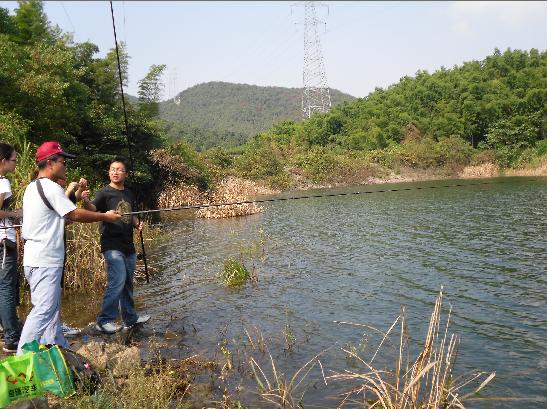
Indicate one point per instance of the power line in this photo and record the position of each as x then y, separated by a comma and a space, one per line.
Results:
68, 17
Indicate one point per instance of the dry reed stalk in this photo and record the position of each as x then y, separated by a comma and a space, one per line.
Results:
84, 267
426, 383
484, 170
229, 190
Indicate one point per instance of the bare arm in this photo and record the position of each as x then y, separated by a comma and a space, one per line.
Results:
8, 213
87, 216
82, 186
86, 202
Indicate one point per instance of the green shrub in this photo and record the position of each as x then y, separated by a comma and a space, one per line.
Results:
317, 163
234, 273
260, 163
420, 154
454, 153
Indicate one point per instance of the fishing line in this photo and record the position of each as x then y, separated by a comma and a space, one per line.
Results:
279, 199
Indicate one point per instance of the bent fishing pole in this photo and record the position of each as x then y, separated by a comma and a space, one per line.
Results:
279, 199
127, 135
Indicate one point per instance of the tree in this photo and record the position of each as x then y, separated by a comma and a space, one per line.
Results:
31, 23
150, 91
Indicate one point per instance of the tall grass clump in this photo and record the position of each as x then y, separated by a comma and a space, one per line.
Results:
234, 273
146, 387
427, 381
84, 266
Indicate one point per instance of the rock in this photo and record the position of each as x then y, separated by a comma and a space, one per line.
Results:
36, 403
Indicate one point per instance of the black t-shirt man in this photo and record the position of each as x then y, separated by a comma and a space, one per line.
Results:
118, 235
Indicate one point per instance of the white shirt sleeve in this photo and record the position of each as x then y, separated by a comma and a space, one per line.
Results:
56, 197
5, 187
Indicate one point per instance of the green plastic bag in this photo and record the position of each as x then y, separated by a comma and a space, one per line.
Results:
51, 369
17, 380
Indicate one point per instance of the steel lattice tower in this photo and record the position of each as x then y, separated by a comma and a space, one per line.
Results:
315, 93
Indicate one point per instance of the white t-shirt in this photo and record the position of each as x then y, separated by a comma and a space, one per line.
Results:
43, 228
5, 187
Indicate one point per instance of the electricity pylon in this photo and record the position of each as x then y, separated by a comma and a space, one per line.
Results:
173, 86
315, 92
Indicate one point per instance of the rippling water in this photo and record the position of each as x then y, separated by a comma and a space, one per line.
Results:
359, 258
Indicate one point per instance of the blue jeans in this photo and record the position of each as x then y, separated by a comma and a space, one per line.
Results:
118, 295
43, 323
9, 295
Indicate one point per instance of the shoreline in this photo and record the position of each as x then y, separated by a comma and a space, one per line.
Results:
409, 175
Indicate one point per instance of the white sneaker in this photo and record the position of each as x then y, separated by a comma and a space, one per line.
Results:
69, 331
108, 328
141, 319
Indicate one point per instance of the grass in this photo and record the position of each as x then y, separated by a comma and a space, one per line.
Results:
151, 387
427, 381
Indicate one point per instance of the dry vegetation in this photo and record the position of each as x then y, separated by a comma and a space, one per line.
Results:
484, 170
229, 190
539, 170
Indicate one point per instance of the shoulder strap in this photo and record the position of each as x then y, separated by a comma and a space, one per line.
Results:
42, 195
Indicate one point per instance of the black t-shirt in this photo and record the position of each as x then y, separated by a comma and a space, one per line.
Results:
118, 235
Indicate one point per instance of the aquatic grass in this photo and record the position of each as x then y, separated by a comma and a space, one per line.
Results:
234, 273
288, 333
426, 382
277, 388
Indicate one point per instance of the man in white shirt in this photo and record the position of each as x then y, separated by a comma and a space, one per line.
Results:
45, 208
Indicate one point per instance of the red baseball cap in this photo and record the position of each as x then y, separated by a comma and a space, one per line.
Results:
51, 148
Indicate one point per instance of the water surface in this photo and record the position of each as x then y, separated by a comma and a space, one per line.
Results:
358, 258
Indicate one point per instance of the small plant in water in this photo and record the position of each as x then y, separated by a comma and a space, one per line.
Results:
355, 351
234, 273
290, 338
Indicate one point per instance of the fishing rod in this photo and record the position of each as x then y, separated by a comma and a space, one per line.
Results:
279, 199
127, 136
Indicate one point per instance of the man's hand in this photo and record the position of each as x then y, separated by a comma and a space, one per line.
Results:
112, 216
72, 186
85, 195
83, 184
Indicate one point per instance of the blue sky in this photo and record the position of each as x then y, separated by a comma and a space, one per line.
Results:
365, 45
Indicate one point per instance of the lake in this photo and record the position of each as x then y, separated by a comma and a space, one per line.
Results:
359, 258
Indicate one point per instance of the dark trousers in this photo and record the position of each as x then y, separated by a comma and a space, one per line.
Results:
9, 295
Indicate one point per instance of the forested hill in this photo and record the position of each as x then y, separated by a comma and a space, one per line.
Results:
226, 114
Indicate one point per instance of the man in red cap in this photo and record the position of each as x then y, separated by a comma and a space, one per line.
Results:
45, 208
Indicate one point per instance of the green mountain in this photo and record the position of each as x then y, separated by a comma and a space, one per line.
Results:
225, 114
